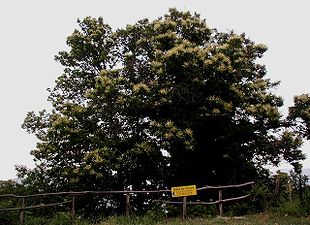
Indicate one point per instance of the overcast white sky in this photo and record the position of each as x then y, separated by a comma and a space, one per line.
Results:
33, 31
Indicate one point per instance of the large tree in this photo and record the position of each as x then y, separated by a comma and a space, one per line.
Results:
159, 103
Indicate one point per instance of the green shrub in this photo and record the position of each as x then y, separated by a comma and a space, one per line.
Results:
133, 220
291, 208
305, 203
260, 198
157, 212
9, 218
60, 219
36, 221
174, 211
295, 207
201, 211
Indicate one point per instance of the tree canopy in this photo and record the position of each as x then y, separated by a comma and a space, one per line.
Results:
299, 115
158, 103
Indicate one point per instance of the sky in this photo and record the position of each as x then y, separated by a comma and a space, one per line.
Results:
33, 31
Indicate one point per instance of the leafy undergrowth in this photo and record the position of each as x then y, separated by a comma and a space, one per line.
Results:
259, 219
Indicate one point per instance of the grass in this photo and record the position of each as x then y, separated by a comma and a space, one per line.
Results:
258, 219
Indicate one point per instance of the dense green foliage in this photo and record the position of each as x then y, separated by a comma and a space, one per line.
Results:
283, 194
299, 114
156, 104
258, 219
5, 188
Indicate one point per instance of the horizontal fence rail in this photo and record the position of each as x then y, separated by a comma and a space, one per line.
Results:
80, 193
204, 203
127, 193
226, 186
36, 206
70, 193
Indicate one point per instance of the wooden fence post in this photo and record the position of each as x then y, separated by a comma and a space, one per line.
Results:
184, 208
22, 212
220, 202
73, 210
127, 204
277, 184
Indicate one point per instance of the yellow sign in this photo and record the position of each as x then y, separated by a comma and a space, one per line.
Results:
183, 191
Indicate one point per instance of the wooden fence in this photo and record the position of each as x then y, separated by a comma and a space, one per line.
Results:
127, 193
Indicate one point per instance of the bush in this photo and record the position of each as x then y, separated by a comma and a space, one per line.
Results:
58, 219
8, 218
291, 208
295, 207
36, 221
133, 220
201, 211
173, 211
260, 199
157, 213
